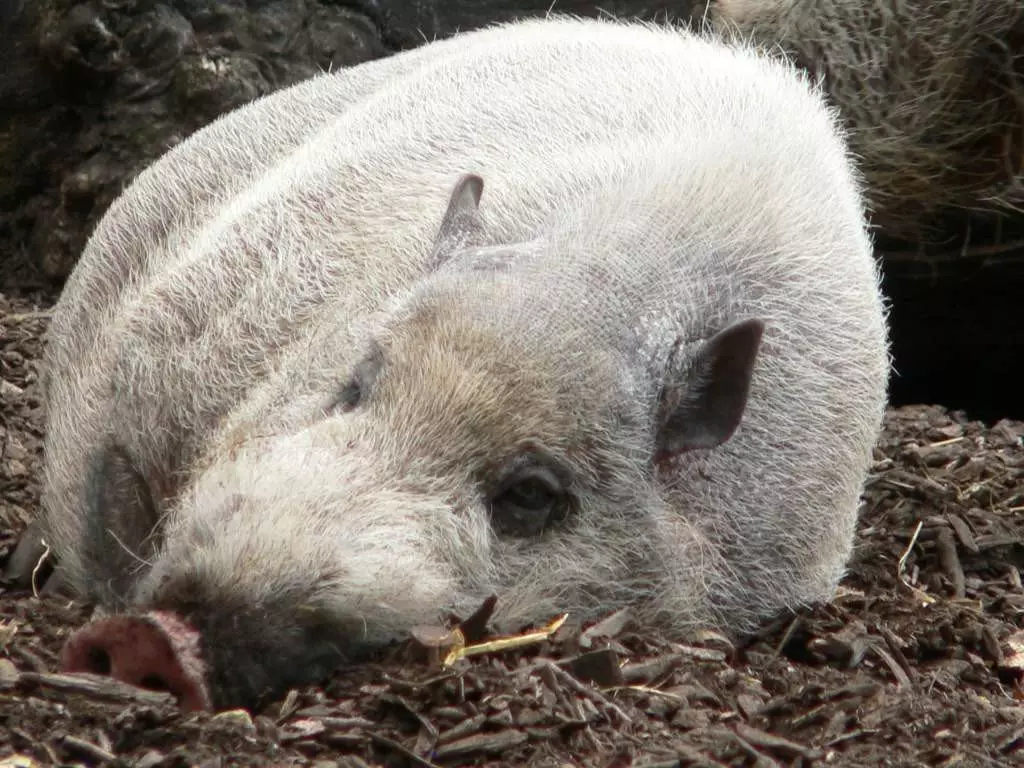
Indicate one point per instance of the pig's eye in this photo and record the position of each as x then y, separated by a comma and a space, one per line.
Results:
527, 505
363, 377
350, 395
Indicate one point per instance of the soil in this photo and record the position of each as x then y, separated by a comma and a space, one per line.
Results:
918, 661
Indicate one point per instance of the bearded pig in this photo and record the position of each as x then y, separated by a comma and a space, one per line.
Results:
580, 314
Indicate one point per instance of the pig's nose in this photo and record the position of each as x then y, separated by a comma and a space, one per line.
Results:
157, 650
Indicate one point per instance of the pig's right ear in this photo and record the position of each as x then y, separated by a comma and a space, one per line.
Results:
461, 223
122, 519
704, 411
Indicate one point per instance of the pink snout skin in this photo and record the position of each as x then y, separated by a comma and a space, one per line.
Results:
157, 650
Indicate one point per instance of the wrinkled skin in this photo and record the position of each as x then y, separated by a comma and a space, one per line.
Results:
316, 381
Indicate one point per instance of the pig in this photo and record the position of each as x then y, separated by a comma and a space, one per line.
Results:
929, 92
580, 314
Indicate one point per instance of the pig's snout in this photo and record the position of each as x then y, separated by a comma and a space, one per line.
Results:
156, 650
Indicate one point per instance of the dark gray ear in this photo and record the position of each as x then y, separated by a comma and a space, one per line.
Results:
461, 222
705, 410
122, 519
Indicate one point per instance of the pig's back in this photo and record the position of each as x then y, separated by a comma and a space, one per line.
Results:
536, 107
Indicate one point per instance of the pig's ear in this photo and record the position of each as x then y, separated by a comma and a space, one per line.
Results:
120, 538
461, 223
704, 410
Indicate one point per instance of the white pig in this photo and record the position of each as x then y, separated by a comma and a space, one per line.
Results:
581, 314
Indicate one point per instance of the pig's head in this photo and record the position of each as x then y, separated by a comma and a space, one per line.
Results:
478, 442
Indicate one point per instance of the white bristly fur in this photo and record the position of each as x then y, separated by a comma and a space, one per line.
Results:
652, 185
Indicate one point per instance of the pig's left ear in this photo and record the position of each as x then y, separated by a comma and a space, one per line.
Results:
461, 223
121, 537
703, 410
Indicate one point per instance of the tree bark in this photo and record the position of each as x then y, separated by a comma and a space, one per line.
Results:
92, 92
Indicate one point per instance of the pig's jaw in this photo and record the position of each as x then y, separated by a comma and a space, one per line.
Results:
153, 650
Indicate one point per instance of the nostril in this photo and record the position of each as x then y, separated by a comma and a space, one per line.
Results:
158, 651
155, 683
98, 661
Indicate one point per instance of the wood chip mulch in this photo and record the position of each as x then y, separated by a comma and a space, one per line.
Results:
918, 661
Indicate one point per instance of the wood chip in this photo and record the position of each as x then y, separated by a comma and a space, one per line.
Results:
19, 761
238, 719
608, 627
761, 760
1013, 653
300, 729
748, 705
1014, 742
151, 759
474, 628
778, 744
488, 743
393, 745
467, 727
963, 533
345, 723
87, 749
589, 693
8, 630
600, 667
896, 649
950, 561
650, 670
897, 671
690, 758
9, 674
99, 687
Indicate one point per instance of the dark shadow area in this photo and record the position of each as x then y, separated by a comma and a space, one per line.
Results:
957, 334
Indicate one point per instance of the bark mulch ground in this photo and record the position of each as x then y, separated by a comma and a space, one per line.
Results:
918, 661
